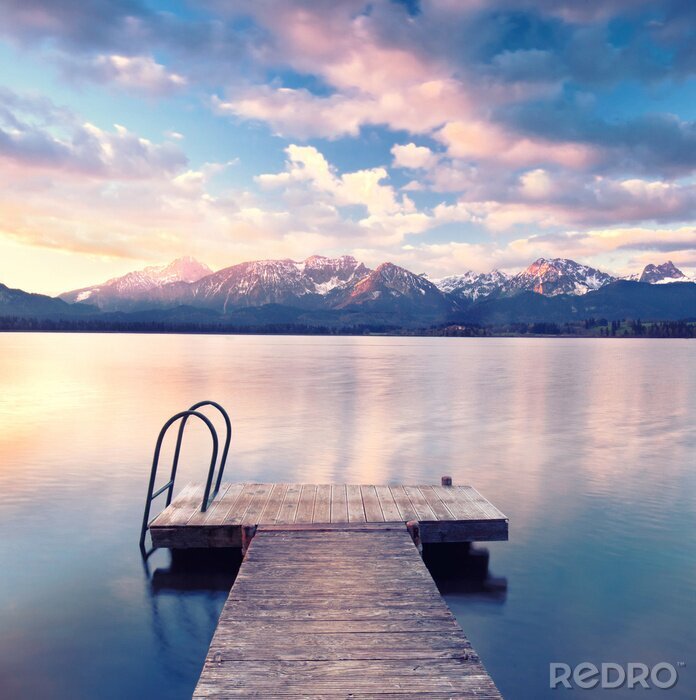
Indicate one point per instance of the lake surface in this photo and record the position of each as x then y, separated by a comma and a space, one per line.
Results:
587, 445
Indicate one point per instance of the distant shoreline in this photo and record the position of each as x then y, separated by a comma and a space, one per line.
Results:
581, 329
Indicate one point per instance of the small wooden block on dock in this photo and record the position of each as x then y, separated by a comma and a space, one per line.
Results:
356, 616
443, 513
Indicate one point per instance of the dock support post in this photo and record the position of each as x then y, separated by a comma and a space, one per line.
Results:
446, 481
248, 532
413, 527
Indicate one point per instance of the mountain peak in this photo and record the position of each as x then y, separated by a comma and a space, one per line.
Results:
472, 285
116, 292
328, 274
391, 288
661, 274
397, 275
184, 269
388, 267
560, 276
322, 260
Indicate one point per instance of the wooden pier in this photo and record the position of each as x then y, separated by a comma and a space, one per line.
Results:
333, 599
443, 514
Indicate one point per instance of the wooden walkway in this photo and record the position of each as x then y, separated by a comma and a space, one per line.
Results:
444, 514
331, 611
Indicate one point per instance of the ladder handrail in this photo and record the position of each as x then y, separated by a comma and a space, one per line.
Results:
223, 458
183, 416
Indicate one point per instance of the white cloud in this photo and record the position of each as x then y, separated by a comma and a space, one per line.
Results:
38, 136
307, 166
535, 184
413, 157
136, 74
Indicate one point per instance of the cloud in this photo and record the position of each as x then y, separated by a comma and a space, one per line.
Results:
35, 134
510, 96
85, 24
621, 251
649, 144
501, 82
506, 73
307, 166
138, 74
535, 184
386, 218
477, 141
297, 112
413, 157
538, 200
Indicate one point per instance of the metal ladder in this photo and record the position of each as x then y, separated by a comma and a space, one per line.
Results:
182, 418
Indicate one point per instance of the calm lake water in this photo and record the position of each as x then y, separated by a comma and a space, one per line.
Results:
587, 445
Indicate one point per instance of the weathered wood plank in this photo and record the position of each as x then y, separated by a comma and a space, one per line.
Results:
305, 508
331, 527
339, 504
373, 511
288, 509
271, 510
224, 505
436, 503
390, 510
322, 504
464, 531
403, 503
235, 514
199, 517
423, 510
489, 509
357, 615
182, 507
235, 625
258, 502
356, 510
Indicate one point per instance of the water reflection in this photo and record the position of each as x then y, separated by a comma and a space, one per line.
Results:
586, 445
185, 594
463, 569
196, 570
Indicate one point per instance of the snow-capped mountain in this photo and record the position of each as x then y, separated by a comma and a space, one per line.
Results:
559, 276
262, 282
328, 274
663, 274
122, 293
472, 285
392, 288
547, 277
251, 284
343, 283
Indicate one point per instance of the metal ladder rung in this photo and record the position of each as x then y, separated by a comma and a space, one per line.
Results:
162, 490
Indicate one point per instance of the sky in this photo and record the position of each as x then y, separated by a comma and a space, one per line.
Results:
441, 135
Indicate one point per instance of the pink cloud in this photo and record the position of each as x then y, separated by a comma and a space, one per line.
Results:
418, 108
621, 251
479, 140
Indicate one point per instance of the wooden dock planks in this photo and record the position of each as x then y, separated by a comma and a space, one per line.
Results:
445, 514
339, 611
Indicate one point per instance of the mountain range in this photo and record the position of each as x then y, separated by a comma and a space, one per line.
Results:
551, 278
342, 290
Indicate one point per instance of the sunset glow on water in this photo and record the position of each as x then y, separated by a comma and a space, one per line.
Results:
581, 443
